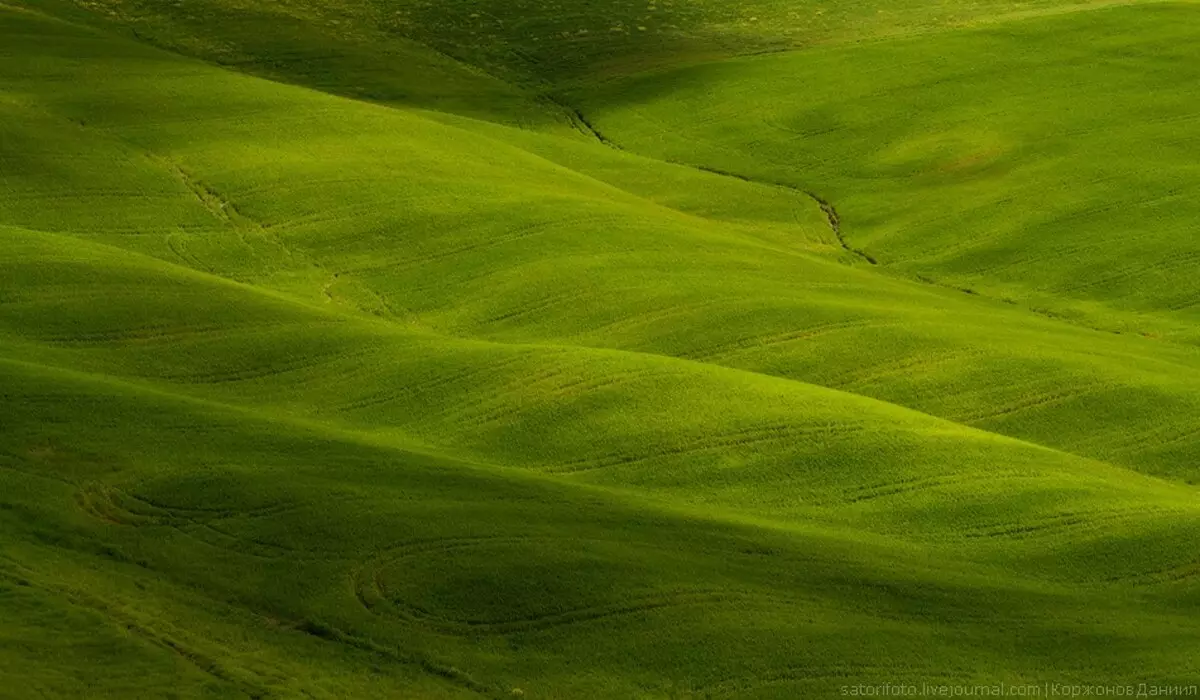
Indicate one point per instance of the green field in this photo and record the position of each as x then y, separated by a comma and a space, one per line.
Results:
609, 349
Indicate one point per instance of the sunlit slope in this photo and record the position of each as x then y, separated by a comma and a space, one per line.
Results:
1043, 161
769, 446
475, 231
261, 483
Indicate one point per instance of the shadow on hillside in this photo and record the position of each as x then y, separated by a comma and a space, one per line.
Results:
557, 45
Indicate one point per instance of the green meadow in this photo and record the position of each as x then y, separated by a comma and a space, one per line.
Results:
661, 349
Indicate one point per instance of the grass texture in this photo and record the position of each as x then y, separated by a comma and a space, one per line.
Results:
450, 351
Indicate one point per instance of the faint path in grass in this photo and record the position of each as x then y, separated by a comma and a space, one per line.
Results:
158, 632
228, 212
220, 663
372, 592
208, 527
224, 209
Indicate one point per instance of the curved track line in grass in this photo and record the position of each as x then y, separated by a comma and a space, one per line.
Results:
118, 507
631, 606
1185, 260
656, 315
1055, 524
1040, 311
572, 386
477, 413
251, 683
871, 492
552, 381
254, 683
163, 333
1030, 403
1183, 436
1182, 574
205, 512
178, 247
518, 233
246, 374
468, 375
746, 438
748, 343
1159, 436
535, 306
902, 369
427, 664
30, 472
371, 591
105, 503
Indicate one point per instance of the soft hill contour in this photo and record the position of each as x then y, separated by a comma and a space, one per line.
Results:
313, 391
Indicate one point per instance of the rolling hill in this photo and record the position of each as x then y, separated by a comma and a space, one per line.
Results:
596, 349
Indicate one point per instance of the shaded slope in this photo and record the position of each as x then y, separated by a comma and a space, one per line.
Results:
366, 48
345, 50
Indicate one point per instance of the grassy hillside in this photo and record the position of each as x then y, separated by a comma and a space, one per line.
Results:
540, 45
1045, 162
307, 396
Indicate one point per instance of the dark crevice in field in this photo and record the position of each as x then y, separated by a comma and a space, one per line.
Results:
583, 124
835, 223
831, 215
586, 126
